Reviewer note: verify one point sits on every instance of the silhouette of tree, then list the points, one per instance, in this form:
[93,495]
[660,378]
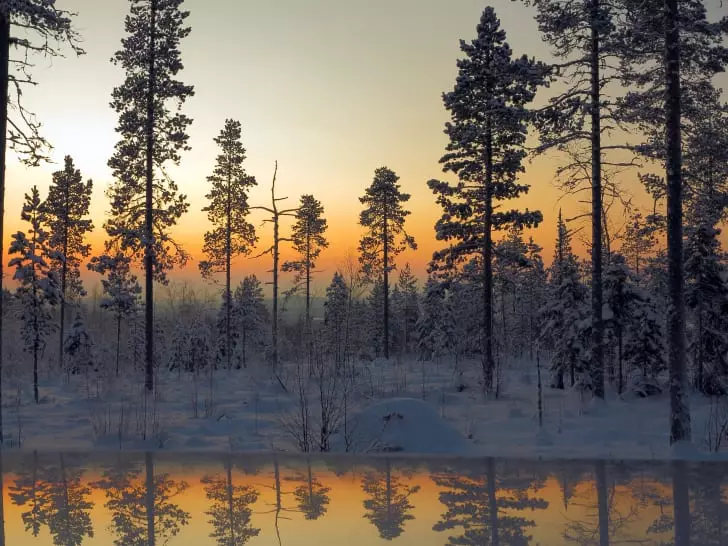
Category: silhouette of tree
[33,28]
[232,234]
[68,511]
[388,501]
[152,132]
[38,288]
[386,237]
[28,490]
[230,511]
[484,504]
[607,512]
[312,496]
[141,509]
[66,211]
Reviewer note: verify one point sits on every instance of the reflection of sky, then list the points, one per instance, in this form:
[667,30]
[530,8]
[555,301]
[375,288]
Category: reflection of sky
[331,89]
[634,498]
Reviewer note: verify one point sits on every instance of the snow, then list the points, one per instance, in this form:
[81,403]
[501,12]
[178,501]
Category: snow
[406,425]
[388,413]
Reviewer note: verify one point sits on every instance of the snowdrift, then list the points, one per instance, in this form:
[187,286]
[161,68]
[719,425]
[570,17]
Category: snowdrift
[405,425]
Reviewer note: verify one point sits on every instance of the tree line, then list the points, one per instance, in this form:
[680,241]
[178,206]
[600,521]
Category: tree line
[636,91]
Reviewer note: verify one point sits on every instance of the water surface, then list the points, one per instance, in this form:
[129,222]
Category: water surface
[141,499]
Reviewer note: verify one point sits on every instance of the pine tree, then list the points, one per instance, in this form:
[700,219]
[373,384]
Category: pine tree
[639,241]
[630,316]
[564,315]
[145,204]
[78,345]
[249,315]
[671,53]
[580,33]
[66,210]
[406,306]
[384,218]
[38,288]
[40,27]
[486,150]
[120,288]
[232,235]
[336,309]
[308,240]
[707,299]
[435,325]
[373,331]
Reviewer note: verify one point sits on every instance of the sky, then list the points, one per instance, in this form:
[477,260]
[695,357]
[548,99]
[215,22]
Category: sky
[330,89]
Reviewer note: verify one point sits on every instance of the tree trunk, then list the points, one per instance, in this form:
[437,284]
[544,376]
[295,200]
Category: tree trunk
[118,342]
[597,364]
[275,291]
[149,498]
[602,503]
[620,371]
[488,363]
[64,278]
[4,61]
[228,263]
[2,502]
[679,409]
[386,284]
[149,204]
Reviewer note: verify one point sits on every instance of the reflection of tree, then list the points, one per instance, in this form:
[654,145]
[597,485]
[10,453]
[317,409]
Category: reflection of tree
[709,510]
[141,509]
[388,503]
[607,517]
[2,501]
[483,503]
[56,498]
[311,495]
[28,491]
[230,509]
[68,510]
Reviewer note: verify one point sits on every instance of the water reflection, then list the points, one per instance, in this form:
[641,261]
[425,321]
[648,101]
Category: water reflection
[229,500]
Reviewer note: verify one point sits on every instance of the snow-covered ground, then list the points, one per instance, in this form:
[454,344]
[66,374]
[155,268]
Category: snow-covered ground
[391,409]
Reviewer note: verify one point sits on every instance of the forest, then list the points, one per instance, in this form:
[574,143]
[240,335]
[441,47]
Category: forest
[491,335]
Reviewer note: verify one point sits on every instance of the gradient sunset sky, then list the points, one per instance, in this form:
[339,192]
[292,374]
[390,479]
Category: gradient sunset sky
[331,89]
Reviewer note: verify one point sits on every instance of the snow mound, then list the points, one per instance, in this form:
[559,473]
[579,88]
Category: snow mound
[405,425]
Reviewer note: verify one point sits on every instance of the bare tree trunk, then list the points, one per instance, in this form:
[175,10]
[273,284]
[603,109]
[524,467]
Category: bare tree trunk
[228,260]
[488,363]
[386,285]
[276,257]
[679,408]
[597,364]
[4,61]
[118,342]
[149,204]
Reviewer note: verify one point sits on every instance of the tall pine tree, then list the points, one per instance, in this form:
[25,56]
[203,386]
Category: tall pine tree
[38,288]
[66,211]
[487,134]
[308,241]
[145,202]
[384,218]
[232,235]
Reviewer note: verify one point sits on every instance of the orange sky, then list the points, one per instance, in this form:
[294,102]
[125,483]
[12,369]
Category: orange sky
[331,89]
